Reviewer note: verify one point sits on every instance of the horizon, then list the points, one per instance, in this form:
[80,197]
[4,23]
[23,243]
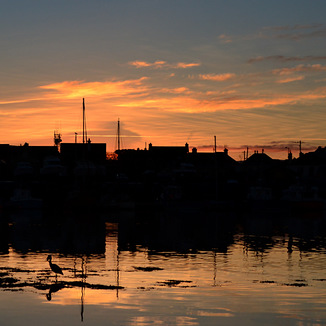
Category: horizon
[238,154]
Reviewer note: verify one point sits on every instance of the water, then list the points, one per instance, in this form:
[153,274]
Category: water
[248,274]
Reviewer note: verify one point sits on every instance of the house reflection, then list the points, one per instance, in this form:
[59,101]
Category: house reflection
[183,229]
[4,236]
[185,254]
[71,236]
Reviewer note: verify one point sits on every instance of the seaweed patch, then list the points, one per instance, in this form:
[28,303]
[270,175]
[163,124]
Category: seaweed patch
[173,283]
[147,269]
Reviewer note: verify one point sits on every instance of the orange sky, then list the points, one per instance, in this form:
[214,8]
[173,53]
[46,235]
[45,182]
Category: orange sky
[188,78]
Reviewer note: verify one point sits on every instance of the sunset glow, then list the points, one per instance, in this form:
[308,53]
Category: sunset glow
[255,82]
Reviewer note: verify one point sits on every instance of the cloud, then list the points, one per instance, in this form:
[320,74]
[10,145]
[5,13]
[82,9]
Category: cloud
[280,145]
[293,27]
[178,90]
[273,146]
[192,104]
[70,90]
[294,32]
[299,68]
[281,58]
[290,79]
[184,65]
[17,101]
[144,64]
[141,93]
[225,38]
[289,32]
[80,89]
[163,65]
[220,77]
[319,33]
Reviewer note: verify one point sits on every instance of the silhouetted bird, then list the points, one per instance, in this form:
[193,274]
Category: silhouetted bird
[55,268]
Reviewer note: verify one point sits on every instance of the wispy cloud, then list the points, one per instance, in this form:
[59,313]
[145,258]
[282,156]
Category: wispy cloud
[144,64]
[295,32]
[184,65]
[294,27]
[79,89]
[136,94]
[299,68]
[269,147]
[281,58]
[188,97]
[191,104]
[179,90]
[70,90]
[280,145]
[287,32]
[225,38]
[18,101]
[163,64]
[217,77]
[290,79]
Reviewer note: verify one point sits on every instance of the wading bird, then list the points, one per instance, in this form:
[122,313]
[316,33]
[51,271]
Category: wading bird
[55,268]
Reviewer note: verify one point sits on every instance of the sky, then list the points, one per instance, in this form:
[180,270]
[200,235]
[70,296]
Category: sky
[250,72]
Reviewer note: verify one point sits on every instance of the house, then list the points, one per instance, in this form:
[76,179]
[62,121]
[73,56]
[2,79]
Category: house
[73,152]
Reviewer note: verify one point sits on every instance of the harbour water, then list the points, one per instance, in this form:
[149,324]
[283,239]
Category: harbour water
[257,272]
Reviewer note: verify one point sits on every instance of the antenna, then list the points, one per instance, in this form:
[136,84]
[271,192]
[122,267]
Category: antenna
[57,138]
[300,147]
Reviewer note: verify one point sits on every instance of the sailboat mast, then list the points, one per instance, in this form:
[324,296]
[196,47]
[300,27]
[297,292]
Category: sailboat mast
[83,120]
[118,134]
[84,123]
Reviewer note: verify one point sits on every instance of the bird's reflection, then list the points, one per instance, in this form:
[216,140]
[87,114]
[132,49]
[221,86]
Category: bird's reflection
[58,286]
[54,288]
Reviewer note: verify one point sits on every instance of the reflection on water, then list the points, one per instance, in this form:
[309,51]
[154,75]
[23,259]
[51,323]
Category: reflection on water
[168,271]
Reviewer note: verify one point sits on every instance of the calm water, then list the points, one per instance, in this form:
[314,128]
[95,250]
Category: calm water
[256,273]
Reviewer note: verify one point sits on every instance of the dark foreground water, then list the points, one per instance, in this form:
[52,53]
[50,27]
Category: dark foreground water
[253,273]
